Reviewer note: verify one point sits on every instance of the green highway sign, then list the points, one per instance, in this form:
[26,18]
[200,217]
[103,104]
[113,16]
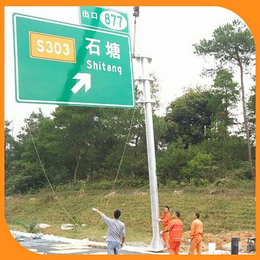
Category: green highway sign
[107,19]
[65,64]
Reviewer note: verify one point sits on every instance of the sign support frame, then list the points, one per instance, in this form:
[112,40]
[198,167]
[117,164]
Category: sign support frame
[157,243]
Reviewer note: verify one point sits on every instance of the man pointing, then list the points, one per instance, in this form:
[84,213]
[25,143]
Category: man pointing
[116,229]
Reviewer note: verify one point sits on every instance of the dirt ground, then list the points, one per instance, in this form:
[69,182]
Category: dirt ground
[223,242]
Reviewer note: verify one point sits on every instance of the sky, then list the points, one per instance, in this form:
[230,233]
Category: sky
[165,34]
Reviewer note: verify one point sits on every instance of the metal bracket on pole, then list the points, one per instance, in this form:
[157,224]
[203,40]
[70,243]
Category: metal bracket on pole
[142,102]
[141,80]
[157,243]
[139,58]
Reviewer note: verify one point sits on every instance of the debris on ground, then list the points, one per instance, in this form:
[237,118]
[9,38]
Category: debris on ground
[222,241]
[42,225]
[67,226]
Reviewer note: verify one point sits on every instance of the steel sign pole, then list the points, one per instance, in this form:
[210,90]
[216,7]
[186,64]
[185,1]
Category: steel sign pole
[157,242]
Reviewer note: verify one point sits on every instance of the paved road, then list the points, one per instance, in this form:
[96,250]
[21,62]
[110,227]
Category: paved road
[40,245]
[51,245]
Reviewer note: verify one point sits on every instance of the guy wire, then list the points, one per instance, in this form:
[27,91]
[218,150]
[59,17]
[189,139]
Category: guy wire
[46,176]
[117,174]
[121,160]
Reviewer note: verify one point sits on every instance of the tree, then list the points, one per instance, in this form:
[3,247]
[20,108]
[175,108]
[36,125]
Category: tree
[79,137]
[232,44]
[201,166]
[33,150]
[224,100]
[10,146]
[172,161]
[229,154]
[251,114]
[189,117]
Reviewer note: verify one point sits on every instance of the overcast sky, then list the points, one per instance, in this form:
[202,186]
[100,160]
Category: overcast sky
[165,34]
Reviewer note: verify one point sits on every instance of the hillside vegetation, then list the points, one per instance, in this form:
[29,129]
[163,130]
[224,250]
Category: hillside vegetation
[224,207]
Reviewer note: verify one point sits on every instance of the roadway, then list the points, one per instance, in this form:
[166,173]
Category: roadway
[51,245]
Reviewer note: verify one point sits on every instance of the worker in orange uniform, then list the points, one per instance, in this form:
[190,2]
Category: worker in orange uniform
[165,219]
[196,234]
[175,230]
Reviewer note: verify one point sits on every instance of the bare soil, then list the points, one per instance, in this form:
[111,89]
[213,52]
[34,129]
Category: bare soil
[222,241]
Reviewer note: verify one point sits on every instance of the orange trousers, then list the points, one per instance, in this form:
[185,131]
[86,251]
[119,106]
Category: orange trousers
[174,247]
[166,237]
[196,245]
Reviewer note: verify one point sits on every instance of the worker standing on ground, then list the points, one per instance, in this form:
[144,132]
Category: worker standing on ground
[116,229]
[165,219]
[175,230]
[196,234]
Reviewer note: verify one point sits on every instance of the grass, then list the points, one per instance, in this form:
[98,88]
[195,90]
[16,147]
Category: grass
[223,208]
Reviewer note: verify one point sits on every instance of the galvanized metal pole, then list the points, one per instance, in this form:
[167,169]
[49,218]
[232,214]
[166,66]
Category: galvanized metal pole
[157,243]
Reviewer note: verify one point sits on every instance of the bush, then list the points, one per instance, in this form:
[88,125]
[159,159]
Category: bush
[244,185]
[243,172]
[182,184]
[83,187]
[199,182]
[131,183]
[31,227]
[104,185]
[28,179]
[173,184]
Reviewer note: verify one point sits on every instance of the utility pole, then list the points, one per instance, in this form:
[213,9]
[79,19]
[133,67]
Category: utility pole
[157,243]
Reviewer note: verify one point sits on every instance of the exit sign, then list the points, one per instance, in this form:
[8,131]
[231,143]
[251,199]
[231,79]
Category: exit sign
[66,64]
[97,17]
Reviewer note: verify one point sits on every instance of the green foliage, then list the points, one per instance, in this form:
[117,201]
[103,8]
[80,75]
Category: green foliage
[182,184]
[232,45]
[30,227]
[189,116]
[233,183]
[221,210]
[199,167]
[10,148]
[173,184]
[212,158]
[29,179]
[227,154]
[199,182]
[224,98]
[232,42]
[83,187]
[137,183]
[241,172]
[76,221]
[104,185]
[251,108]
[170,163]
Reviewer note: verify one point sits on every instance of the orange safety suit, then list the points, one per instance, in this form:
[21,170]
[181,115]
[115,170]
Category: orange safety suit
[196,235]
[166,217]
[175,229]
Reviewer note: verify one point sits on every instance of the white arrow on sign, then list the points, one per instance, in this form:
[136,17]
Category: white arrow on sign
[84,79]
